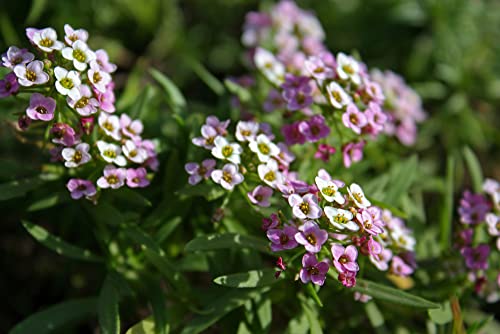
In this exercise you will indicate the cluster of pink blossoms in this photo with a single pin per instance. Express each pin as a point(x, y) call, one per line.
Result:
point(337, 223)
point(326, 90)
point(70, 89)
point(478, 234)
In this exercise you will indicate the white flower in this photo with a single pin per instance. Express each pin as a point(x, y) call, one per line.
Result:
point(226, 151)
point(80, 54)
point(272, 69)
point(246, 131)
point(110, 124)
point(401, 238)
point(358, 196)
point(493, 222)
point(264, 148)
point(337, 95)
point(73, 35)
point(348, 68)
point(46, 40)
point(329, 190)
point(270, 174)
point(134, 153)
point(76, 156)
point(341, 218)
point(111, 153)
point(68, 83)
point(98, 78)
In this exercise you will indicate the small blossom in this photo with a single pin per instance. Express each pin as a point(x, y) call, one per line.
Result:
point(225, 151)
point(493, 222)
point(111, 153)
point(476, 258)
point(113, 177)
point(106, 100)
point(98, 78)
point(312, 270)
point(285, 157)
point(473, 208)
point(9, 85)
point(274, 101)
point(369, 225)
point(260, 196)
point(381, 260)
point(282, 239)
point(246, 131)
point(344, 259)
point(68, 83)
point(292, 134)
point(311, 237)
point(272, 69)
point(219, 126)
point(354, 119)
point(63, 134)
point(73, 35)
point(134, 152)
point(270, 223)
point(228, 177)
point(317, 68)
point(347, 278)
point(31, 74)
point(87, 104)
point(207, 139)
point(79, 53)
point(110, 124)
point(41, 108)
point(352, 152)
point(87, 124)
point(399, 267)
point(314, 129)
point(491, 186)
point(341, 218)
point(376, 118)
point(264, 148)
point(361, 297)
point(46, 40)
point(305, 206)
point(15, 56)
point(79, 188)
point(198, 172)
point(23, 122)
point(348, 68)
point(337, 95)
point(102, 60)
point(137, 178)
point(371, 247)
point(358, 196)
point(77, 156)
point(329, 190)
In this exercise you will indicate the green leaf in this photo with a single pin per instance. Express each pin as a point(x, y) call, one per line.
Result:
point(220, 307)
point(59, 246)
point(264, 312)
point(36, 10)
point(142, 103)
point(146, 326)
point(474, 168)
point(447, 207)
point(19, 188)
point(374, 315)
point(108, 307)
point(157, 300)
point(402, 176)
point(211, 81)
point(48, 202)
point(391, 208)
point(132, 197)
point(167, 229)
point(441, 315)
point(312, 291)
point(174, 95)
point(312, 317)
point(249, 279)
point(382, 292)
point(57, 316)
point(211, 192)
point(226, 240)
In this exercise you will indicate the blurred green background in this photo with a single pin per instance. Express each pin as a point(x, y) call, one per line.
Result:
point(447, 49)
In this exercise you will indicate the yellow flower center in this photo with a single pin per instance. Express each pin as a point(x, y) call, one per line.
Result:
point(329, 191)
point(348, 69)
point(30, 75)
point(112, 179)
point(358, 197)
point(246, 133)
point(304, 207)
point(108, 126)
point(46, 42)
point(311, 239)
point(227, 151)
point(340, 219)
point(79, 55)
point(82, 102)
point(263, 148)
point(67, 83)
point(226, 176)
point(77, 157)
point(336, 96)
point(96, 77)
point(270, 176)
point(110, 154)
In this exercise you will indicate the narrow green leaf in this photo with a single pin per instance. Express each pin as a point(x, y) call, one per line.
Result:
point(19, 188)
point(391, 208)
point(174, 95)
point(312, 291)
point(382, 292)
point(146, 326)
point(211, 192)
point(312, 317)
point(447, 207)
point(374, 315)
point(441, 315)
point(49, 202)
point(402, 176)
point(242, 93)
point(36, 10)
point(157, 300)
point(142, 103)
point(56, 317)
point(211, 81)
point(129, 196)
point(108, 307)
point(227, 240)
point(249, 279)
point(57, 245)
point(474, 168)
point(264, 312)
point(167, 229)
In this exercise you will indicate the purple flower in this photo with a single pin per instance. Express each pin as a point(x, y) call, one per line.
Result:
point(79, 188)
point(106, 99)
point(354, 119)
point(9, 85)
point(376, 118)
point(465, 237)
point(344, 259)
point(314, 129)
point(473, 208)
point(87, 104)
point(371, 247)
point(137, 178)
point(112, 177)
point(399, 267)
point(219, 126)
point(305, 207)
point(324, 152)
point(476, 258)
point(317, 68)
point(282, 238)
point(260, 196)
point(297, 83)
point(274, 101)
point(292, 134)
point(130, 128)
point(369, 225)
point(347, 278)
point(228, 177)
point(199, 172)
point(23, 122)
point(73, 35)
point(311, 237)
point(87, 124)
point(312, 270)
point(207, 138)
point(352, 152)
point(63, 134)
point(270, 223)
point(381, 260)
point(297, 92)
point(41, 108)
point(31, 74)
point(15, 56)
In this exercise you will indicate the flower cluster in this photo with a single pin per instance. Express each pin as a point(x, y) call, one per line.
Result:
point(478, 234)
point(337, 223)
point(70, 88)
point(317, 90)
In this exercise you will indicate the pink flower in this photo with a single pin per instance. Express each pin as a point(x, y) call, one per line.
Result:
point(87, 124)
point(354, 119)
point(311, 237)
point(476, 258)
point(63, 134)
point(369, 225)
point(399, 267)
point(324, 152)
point(312, 270)
point(260, 196)
point(344, 259)
point(305, 207)
point(317, 68)
point(106, 99)
point(371, 247)
point(376, 118)
point(219, 126)
point(41, 108)
point(347, 278)
point(112, 177)
point(292, 134)
point(130, 128)
point(198, 172)
point(102, 60)
point(381, 260)
point(73, 35)
point(274, 101)
point(137, 178)
point(208, 135)
point(352, 152)
point(79, 188)
point(361, 297)
point(31, 74)
point(228, 177)
point(282, 239)
point(270, 223)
